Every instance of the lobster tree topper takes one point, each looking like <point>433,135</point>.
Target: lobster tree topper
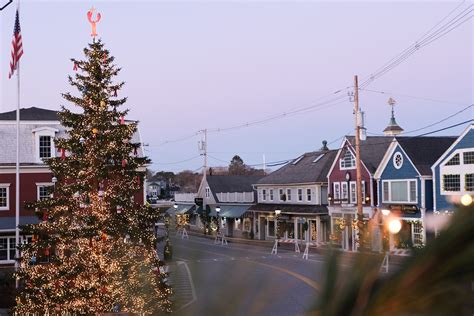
<point>93,23</point>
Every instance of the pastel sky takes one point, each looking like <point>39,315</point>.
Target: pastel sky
<point>191,65</point>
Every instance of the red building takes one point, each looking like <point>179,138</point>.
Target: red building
<point>343,190</point>
<point>38,128</point>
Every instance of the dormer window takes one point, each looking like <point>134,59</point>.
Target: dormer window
<point>453,161</point>
<point>347,161</point>
<point>44,143</point>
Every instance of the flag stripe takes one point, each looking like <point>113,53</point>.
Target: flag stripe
<point>17,46</point>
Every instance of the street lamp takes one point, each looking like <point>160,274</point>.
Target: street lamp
<point>175,206</point>
<point>218,210</point>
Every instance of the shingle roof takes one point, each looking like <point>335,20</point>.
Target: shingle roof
<point>424,151</point>
<point>31,114</point>
<point>226,183</point>
<point>372,150</point>
<point>303,169</point>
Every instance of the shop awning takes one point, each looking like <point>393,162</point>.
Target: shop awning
<point>182,209</point>
<point>290,209</point>
<point>232,211</point>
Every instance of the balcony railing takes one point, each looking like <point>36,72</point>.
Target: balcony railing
<point>236,197</point>
<point>185,197</point>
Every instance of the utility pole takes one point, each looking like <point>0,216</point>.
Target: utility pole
<point>358,122</point>
<point>203,150</point>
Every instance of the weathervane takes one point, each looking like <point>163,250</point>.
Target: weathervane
<point>392,103</point>
<point>93,23</point>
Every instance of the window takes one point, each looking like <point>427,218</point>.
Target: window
<point>348,161</point>
<point>397,160</point>
<point>417,233</point>
<point>264,195</point>
<point>297,160</point>
<point>271,228</point>
<point>300,195</point>
<point>412,190</point>
<point>344,191</point>
<point>468,158</point>
<point>353,196</point>
<point>337,191</point>
<point>44,191</point>
<point>45,147</point>
<point>208,192</point>
<point>282,195</point>
<point>400,191</point>
<point>7,248</point>
<point>385,191</point>
<point>469,182</point>
<point>452,182</point>
<point>309,195</point>
<point>271,194</point>
<point>288,194</point>
<point>318,158</point>
<point>4,197</point>
<point>453,161</point>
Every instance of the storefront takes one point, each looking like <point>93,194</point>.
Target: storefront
<point>412,233</point>
<point>344,225</point>
<point>304,223</point>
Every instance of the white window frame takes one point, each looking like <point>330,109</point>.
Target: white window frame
<point>394,160</point>
<point>408,191</point>
<point>271,192</point>
<point>337,191</point>
<point>300,195</point>
<point>344,197</point>
<point>8,260</point>
<point>281,192</point>
<point>264,194</point>
<point>309,195</point>
<point>462,169</point>
<point>7,187</point>
<point>288,194</point>
<point>418,234</point>
<point>207,192</point>
<point>40,185</point>
<point>352,197</point>
<point>342,159</point>
<point>44,131</point>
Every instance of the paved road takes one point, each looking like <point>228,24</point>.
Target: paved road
<point>241,279</point>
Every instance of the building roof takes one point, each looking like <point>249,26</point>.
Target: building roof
<point>425,151</point>
<point>226,183</point>
<point>372,150</point>
<point>312,167</point>
<point>31,114</point>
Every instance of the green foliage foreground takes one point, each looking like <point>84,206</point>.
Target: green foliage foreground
<point>436,280</point>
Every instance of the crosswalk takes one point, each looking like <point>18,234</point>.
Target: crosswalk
<point>183,287</point>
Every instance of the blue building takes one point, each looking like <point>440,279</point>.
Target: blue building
<point>405,183</point>
<point>454,172</point>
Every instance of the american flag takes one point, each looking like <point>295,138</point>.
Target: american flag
<point>17,46</point>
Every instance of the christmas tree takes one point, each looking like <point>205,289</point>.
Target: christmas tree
<point>93,252</point>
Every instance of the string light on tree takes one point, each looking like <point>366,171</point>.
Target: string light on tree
<point>94,251</point>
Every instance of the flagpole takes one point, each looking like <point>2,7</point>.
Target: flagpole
<point>17,176</point>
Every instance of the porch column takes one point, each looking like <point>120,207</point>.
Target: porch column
<point>296,228</point>
<point>318,230</point>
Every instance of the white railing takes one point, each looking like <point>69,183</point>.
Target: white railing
<point>240,197</point>
<point>185,197</point>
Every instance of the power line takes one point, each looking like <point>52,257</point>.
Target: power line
<point>424,40</point>
<point>412,97</point>
<point>281,162</point>
<point>177,162</point>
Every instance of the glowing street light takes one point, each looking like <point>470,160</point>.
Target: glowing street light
<point>394,225</point>
<point>466,200</point>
